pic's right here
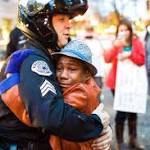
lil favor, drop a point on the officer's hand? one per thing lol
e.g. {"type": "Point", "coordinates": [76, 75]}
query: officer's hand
{"type": "Point", "coordinates": [104, 141]}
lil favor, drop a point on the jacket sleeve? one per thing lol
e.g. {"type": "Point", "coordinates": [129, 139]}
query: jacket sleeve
{"type": "Point", "coordinates": [138, 54]}
{"type": "Point", "coordinates": [110, 54]}
{"type": "Point", "coordinates": [44, 102]}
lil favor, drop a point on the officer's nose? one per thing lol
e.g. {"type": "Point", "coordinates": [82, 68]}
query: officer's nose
{"type": "Point", "coordinates": [68, 24]}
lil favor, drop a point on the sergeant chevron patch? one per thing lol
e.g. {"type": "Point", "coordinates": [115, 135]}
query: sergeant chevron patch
{"type": "Point", "coordinates": [46, 87]}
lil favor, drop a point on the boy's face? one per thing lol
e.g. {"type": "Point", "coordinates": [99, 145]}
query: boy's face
{"type": "Point", "coordinates": [70, 71]}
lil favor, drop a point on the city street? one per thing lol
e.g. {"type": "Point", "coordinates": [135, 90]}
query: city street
{"type": "Point", "coordinates": [143, 122]}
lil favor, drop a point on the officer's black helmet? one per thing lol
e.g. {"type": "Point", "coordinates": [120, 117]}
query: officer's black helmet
{"type": "Point", "coordinates": [35, 16]}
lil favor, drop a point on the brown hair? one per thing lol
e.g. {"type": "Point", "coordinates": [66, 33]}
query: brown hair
{"type": "Point", "coordinates": [128, 25]}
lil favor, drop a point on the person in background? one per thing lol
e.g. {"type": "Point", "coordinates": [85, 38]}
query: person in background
{"type": "Point", "coordinates": [125, 46]}
{"type": "Point", "coordinates": [17, 41]}
{"type": "Point", "coordinates": [31, 73]}
{"type": "Point", "coordinates": [93, 42]}
{"type": "Point", "coordinates": [147, 55]}
{"type": "Point", "coordinates": [75, 72]}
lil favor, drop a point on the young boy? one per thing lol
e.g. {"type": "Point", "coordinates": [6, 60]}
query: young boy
{"type": "Point", "coordinates": [75, 72]}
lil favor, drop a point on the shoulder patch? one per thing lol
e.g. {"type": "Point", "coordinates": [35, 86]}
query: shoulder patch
{"type": "Point", "coordinates": [41, 67]}
{"type": "Point", "coordinates": [46, 87]}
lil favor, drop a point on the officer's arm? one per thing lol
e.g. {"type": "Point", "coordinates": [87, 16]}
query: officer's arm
{"type": "Point", "coordinates": [44, 102]}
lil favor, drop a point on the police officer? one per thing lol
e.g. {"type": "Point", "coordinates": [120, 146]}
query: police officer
{"type": "Point", "coordinates": [46, 23]}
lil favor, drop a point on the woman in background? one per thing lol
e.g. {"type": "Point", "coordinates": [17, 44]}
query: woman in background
{"type": "Point", "coordinates": [125, 46]}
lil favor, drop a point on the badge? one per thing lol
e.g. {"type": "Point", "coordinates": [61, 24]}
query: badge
{"type": "Point", "coordinates": [41, 67]}
{"type": "Point", "coordinates": [46, 87]}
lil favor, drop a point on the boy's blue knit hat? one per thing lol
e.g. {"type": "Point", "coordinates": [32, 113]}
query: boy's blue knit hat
{"type": "Point", "coordinates": [79, 50]}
